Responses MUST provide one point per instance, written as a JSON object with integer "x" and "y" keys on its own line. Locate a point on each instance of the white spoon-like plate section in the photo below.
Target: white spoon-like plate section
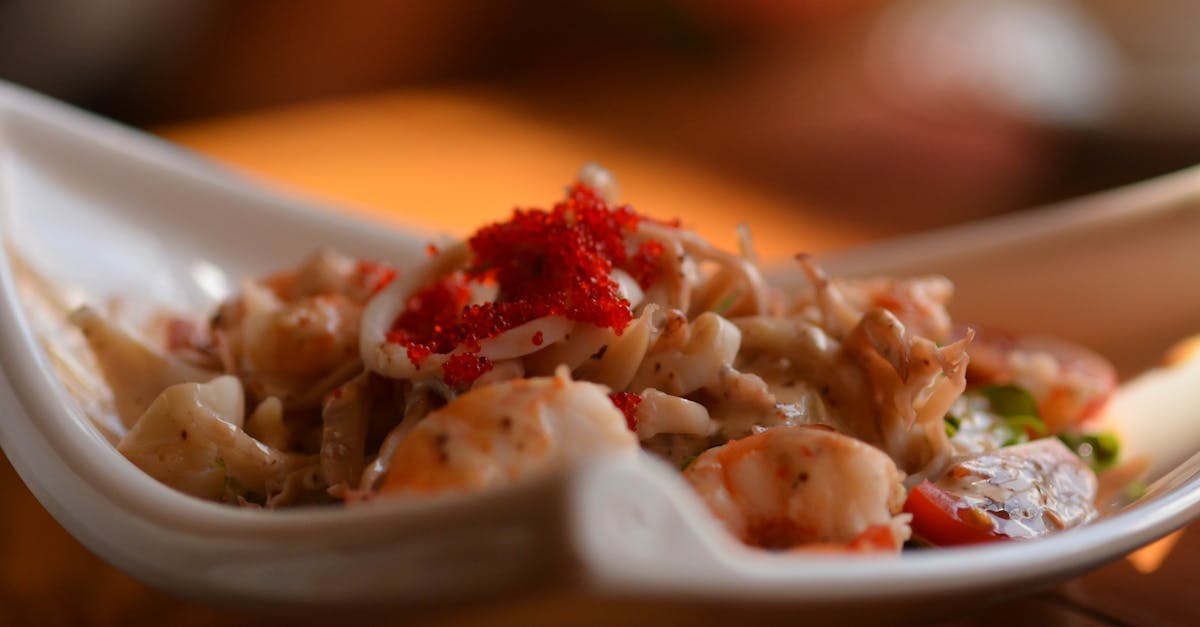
{"x": 100, "y": 210}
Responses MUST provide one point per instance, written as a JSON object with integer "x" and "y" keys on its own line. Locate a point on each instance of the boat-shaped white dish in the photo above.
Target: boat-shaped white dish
{"x": 97, "y": 210}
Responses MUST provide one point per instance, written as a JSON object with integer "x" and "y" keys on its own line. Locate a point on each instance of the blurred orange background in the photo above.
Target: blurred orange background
{"x": 891, "y": 115}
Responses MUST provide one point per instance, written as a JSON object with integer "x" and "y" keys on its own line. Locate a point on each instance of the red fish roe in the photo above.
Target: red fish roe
{"x": 645, "y": 263}
{"x": 374, "y": 275}
{"x": 558, "y": 262}
{"x": 430, "y": 313}
{"x": 544, "y": 263}
{"x": 628, "y": 403}
{"x": 538, "y": 339}
{"x": 462, "y": 369}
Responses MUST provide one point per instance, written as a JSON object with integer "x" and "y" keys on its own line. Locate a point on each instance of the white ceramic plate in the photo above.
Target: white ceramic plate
{"x": 100, "y": 210}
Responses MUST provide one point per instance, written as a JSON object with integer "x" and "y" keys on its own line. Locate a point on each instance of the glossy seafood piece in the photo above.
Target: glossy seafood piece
{"x": 501, "y": 433}
{"x": 913, "y": 383}
{"x": 135, "y": 372}
{"x": 191, "y": 439}
{"x": 1023, "y": 491}
{"x": 878, "y": 383}
{"x": 789, "y": 487}
{"x": 688, "y": 355}
{"x": 294, "y": 334}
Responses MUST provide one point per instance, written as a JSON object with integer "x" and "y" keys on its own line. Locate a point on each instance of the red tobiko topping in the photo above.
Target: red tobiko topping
{"x": 558, "y": 262}
{"x": 645, "y": 263}
{"x": 374, "y": 275}
{"x": 429, "y": 314}
{"x": 462, "y": 369}
{"x": 544, "y": 263}
{"x": 628, "y": 403}
{"x": 538, "y": 339}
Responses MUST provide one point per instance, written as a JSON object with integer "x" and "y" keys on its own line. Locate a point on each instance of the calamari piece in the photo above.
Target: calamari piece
{"x": 616, "y": 362}
{"x": 266, "y": 424}
{"x": 506, "y": 370}
{"x": 135, "y": 372}
{"x": 663, "y": 413}
{"x": 502, "y": 433}
{"x": 790, "y": 487}
{"x": 687, "y": 357}
{"x": 344, "y": 433}
{"x": 190, "y": 439}
{"x": 794, "y": 352}
{"x": 756, "y": 296}
{"x": 768, "y": 395}
{"x": 583, "y": 342}
{"x": 390, "y": 359}
{"x": 677, "y": 278}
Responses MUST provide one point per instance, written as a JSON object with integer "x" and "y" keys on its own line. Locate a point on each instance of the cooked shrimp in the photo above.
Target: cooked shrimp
{"x": 501, "y": 433}
{"x": 793, "y": 486}
{"x": 286, "y": 334}
{"x": 302, "y": 340}
{"x": 1069, "y": 382}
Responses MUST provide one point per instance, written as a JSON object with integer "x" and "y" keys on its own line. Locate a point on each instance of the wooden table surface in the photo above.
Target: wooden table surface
{"x": 448, "y": 160}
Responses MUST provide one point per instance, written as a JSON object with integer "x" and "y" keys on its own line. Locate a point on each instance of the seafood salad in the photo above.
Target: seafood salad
{"x": 852, "y": 414}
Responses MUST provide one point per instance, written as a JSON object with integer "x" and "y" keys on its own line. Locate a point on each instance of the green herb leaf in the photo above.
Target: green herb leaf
{"x": 1100, "y": 450}
{"x": 1009, "y": 401}
{"x": 952, "y": 424}
{"x": 1031, "y": 426}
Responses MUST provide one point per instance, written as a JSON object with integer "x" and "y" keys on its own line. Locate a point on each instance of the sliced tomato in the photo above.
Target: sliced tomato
{"x": 940, "y": 518}
{"x": 1017, "y": 492}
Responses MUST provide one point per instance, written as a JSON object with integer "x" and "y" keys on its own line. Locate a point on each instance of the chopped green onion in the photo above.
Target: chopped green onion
{"x": 687, "y": 461}
{"x": 1136, "y": 490}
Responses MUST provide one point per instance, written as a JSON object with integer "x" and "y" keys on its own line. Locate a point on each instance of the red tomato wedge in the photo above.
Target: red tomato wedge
{"x": 937, "y": 518}
{"x": 1017, "y": 492}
